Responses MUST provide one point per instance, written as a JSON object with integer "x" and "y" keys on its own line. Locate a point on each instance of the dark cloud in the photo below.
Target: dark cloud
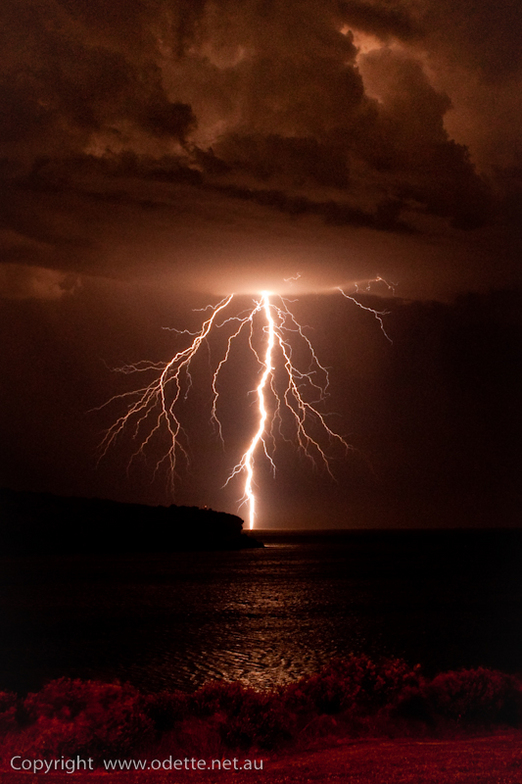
{"x": 485, "y": 36}
{"x": 62, "y": 90}
{"x": 256, "y": 97}
{"x": 381, "y": 19}
{"x": 296, "y": 159}
{"x": 18, "y": 282}
{"x": 145, "y": 135}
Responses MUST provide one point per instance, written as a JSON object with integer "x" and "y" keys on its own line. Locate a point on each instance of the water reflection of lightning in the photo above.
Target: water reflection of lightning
{"x": 283, "y": 390}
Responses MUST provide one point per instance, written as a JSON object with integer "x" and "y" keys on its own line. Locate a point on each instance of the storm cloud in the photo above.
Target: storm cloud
{"x": 334, "y": 113}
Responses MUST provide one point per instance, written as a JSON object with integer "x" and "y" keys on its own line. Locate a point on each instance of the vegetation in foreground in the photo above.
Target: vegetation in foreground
{"x": 351, "y": 698}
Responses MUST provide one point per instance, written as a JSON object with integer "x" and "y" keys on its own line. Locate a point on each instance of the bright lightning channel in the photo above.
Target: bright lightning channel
{"x": 292, "y": 391}
{"x": 247, "y": 462}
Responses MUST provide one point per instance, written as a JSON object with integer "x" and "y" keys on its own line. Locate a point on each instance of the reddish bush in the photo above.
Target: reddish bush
{"x": 260, "y": 721}
{"x": 350, "y": 697}
{"x": 245, "y": 717}
{"x": 477, "y": 697}
{"x": 8, "y": 712}
{"x": 166, "y": 709}
{"x": 217, "y": 696}
{"x": 72, "y": 717}
{"x": 356, "y": 684}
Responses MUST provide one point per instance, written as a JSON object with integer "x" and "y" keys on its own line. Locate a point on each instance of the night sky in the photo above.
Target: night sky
{"x": 156, "y": 155}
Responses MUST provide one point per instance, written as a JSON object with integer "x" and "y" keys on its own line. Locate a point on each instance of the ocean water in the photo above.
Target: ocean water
{"x": 443, "y": 599}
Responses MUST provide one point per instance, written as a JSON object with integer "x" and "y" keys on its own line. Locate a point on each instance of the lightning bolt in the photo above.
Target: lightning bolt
{"x": 378, "y": 314}
{"x": 285, "y": 391}
{"x": 247, "y": 461}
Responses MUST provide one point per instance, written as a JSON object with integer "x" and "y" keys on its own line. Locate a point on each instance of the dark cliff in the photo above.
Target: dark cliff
{"x": 41, "y": 523}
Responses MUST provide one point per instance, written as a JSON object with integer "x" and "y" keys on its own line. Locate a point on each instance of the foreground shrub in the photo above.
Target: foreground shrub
{"x": 85, "y": 717}
{"x": 476, "y": 697}
{"x": 218, "y": 697}
{"x": 245, "y": 717}
{"x": 357, "y": 684}
{"x": 8, "y": 712}
{"x": 260, "y": 722}
{"x": 166, "y": 709}
{"x": 350, "y": 697}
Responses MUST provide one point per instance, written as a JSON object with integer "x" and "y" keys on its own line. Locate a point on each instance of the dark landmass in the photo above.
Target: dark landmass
{"x": 42, "y": 523}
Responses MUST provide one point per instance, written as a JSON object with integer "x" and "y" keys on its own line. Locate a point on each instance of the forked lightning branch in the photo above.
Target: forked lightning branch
{"x": 288, "y": 395}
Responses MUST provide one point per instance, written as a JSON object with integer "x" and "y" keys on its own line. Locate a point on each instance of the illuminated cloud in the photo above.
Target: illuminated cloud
{"x": 22, "y": 282}
{"x": 273, "y": 105}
